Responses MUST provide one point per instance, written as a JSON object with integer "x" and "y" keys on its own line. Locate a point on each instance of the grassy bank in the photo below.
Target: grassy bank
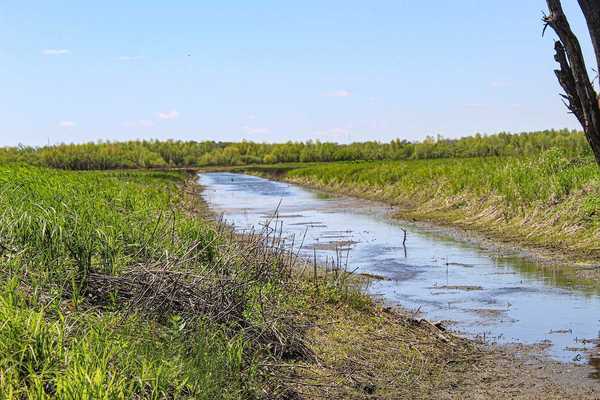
{"x": 117, "y": 285}
{"x": 549, "y": 201}
{"x": 69, "y": 330}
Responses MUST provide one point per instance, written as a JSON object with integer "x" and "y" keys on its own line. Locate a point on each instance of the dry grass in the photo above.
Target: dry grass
{"x": 367, "y": 351}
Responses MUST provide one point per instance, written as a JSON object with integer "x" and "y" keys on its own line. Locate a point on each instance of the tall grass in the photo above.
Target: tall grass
{"x": 45, "y": 351}
{"x": 549, "y": 177}
{"x": 56, "y": 228}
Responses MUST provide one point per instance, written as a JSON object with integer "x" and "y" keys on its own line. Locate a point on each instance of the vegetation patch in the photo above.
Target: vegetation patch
{"x": 191, "y": 154}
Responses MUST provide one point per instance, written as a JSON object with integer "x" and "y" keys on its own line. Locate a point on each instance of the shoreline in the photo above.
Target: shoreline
{"x": 580, "y": 268}
{"x": 509, "y": 361}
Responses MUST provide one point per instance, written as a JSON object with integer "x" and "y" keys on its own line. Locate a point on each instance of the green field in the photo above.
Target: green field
{"x": 550, "y": 200}
{"x": 119, "y": 285}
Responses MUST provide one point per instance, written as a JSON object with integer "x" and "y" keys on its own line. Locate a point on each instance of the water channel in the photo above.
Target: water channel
{"x": 484, "y": 294}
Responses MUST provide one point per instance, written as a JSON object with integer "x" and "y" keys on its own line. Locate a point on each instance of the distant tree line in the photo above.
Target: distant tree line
{"x": 171, "y": 153}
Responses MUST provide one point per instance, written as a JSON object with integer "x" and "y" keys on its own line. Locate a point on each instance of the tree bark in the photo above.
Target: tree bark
{"x": 591, "y": 11}
{"x": 581, "y": 98}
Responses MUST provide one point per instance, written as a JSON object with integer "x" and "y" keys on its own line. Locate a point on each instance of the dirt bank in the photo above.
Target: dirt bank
{"x": 383, "y": 354}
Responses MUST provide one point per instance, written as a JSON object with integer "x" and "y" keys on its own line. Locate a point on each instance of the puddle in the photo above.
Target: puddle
{"x": 485, "y": 295}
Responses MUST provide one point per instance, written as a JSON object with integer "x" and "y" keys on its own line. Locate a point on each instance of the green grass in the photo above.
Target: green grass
{"x": 45, "y": 351}
{"x": 549, "y": 200}
{"x": 56, "y": 228}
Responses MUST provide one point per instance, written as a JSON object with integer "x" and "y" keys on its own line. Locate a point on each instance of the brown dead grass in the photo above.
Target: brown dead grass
{"x": 378, "y": 353}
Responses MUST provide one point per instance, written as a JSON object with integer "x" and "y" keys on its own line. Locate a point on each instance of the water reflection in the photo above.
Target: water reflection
{"x": 485, "y": 294}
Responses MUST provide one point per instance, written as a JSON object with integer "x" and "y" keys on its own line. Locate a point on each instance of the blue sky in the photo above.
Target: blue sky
{"x": 267, "y": 70}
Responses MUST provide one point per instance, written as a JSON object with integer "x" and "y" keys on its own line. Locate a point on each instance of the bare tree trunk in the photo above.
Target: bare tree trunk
{"x": 591, "y": 11}
{"x": 581, "y": 98}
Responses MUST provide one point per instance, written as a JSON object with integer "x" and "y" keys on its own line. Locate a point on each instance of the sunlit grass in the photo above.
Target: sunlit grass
{"x": 56, "y": 227}
{"x": 45, "y": 350}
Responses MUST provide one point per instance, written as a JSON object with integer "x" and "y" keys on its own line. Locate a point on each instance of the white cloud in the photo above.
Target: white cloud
{"x": 339, "y": 93}
{"x": 173, "y": 114}
{"x": 67, "y": 124}
{"x": 251, "y": 130}
{"x": 55, "y": 52}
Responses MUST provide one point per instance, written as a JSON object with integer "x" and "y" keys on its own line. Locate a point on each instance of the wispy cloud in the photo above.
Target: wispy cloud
{"x": 338, "y": 93}
{"x": 55, "y": 52}
{"x": 67, "y": 124}
{"x": 173, "y": 114}
{"x": 252, "y": 130}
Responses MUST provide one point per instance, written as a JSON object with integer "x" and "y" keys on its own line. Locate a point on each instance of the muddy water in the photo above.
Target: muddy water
{"x": 482, "y": 294}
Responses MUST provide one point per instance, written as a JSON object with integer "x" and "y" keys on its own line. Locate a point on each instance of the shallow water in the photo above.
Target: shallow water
{"x": 485, "y": 295}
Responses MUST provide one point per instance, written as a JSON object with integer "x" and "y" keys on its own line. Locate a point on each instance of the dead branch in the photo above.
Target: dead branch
{"x": 581, "y": 98}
